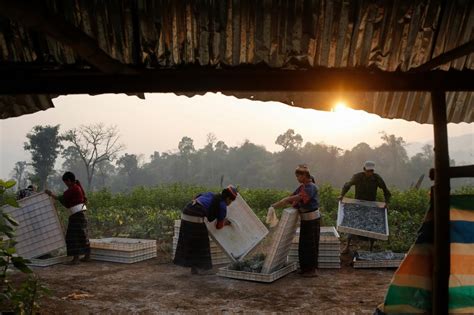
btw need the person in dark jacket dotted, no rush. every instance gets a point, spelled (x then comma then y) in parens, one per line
(74, 199)
(366, 184)
(193, 248)
(306, 200)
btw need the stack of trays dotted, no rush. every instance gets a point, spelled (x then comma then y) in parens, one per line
(46, 262)
(378, 259)
(218, 256)
(275, 265)
(329, 248)
(122, 250)
(39, 231)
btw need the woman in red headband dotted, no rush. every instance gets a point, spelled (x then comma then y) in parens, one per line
(193, 249)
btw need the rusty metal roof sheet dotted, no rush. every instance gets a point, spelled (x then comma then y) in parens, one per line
(301, 34)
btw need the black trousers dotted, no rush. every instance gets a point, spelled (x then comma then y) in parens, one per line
(308, 247)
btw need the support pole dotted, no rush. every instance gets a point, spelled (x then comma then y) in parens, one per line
(441, 257)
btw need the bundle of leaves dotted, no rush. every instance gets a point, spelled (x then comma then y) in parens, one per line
(253, 264)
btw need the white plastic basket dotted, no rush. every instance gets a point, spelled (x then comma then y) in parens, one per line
(40, 231)
(259, 277)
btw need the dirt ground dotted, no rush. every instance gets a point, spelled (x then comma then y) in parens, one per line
(158, 286)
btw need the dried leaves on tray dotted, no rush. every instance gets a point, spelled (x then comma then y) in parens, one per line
(387, 255)
(253, 264)
(364, 218)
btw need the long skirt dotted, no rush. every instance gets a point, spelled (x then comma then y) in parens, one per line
(308, 247)
(193, 249)
(77, 241)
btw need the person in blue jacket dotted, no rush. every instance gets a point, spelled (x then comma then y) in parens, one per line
(193, 249)
(306, 200)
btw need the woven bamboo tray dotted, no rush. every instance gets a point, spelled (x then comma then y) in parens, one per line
(254, 276)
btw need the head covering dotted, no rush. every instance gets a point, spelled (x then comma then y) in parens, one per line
(302, 168)
(369, 165)
(232, 191)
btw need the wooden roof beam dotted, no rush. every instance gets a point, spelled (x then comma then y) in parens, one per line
(446, 57)
(235, 79)
(36, 18)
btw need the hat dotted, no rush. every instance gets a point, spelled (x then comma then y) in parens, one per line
(369, 165)
(233, 191)
(302, 168)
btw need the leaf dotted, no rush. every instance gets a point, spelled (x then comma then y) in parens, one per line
(9, 184)
(20, 264)
(10, 219)
(11, 201)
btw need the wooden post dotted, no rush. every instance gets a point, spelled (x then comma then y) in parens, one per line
(441, 257)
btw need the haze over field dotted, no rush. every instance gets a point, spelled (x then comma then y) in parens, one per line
(162, 120)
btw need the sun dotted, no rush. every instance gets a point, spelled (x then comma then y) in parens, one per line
(340, 107)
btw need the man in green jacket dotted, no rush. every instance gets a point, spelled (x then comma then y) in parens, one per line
(366, 184)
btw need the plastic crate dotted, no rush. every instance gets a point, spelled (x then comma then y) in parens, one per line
(281, 245)
(48, 261)
(122, 244)
(124, 260)
(357, 231)
(376, 263)
(245, 232)
(254, 276)
(40, 231)
(121, 253)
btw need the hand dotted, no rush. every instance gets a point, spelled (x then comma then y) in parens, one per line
(340, 198)
(385, 205)
(227, 222)
(271, 219)
(48, 192)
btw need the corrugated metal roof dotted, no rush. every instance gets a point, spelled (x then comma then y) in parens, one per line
(387, 35)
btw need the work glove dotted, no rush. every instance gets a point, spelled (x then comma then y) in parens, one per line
(272, 219)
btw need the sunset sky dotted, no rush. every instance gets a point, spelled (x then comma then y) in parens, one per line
(159, 122)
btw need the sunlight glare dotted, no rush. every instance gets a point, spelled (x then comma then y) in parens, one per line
(340, 107)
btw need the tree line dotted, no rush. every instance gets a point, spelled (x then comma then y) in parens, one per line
(96, 155)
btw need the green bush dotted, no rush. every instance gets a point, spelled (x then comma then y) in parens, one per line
(149, 212)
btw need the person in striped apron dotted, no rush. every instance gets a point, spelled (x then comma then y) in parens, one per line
(193, 249)
(306, 199)
(74, 199)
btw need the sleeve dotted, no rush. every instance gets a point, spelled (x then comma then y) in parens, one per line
(307, 193)
(348, 185)
(386, 192)
(222, 211)
(221, 215)
(62, 200)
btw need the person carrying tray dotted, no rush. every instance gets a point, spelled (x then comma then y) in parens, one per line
(306, 200)
(193, 248)
(75, 200)
(366, 184)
